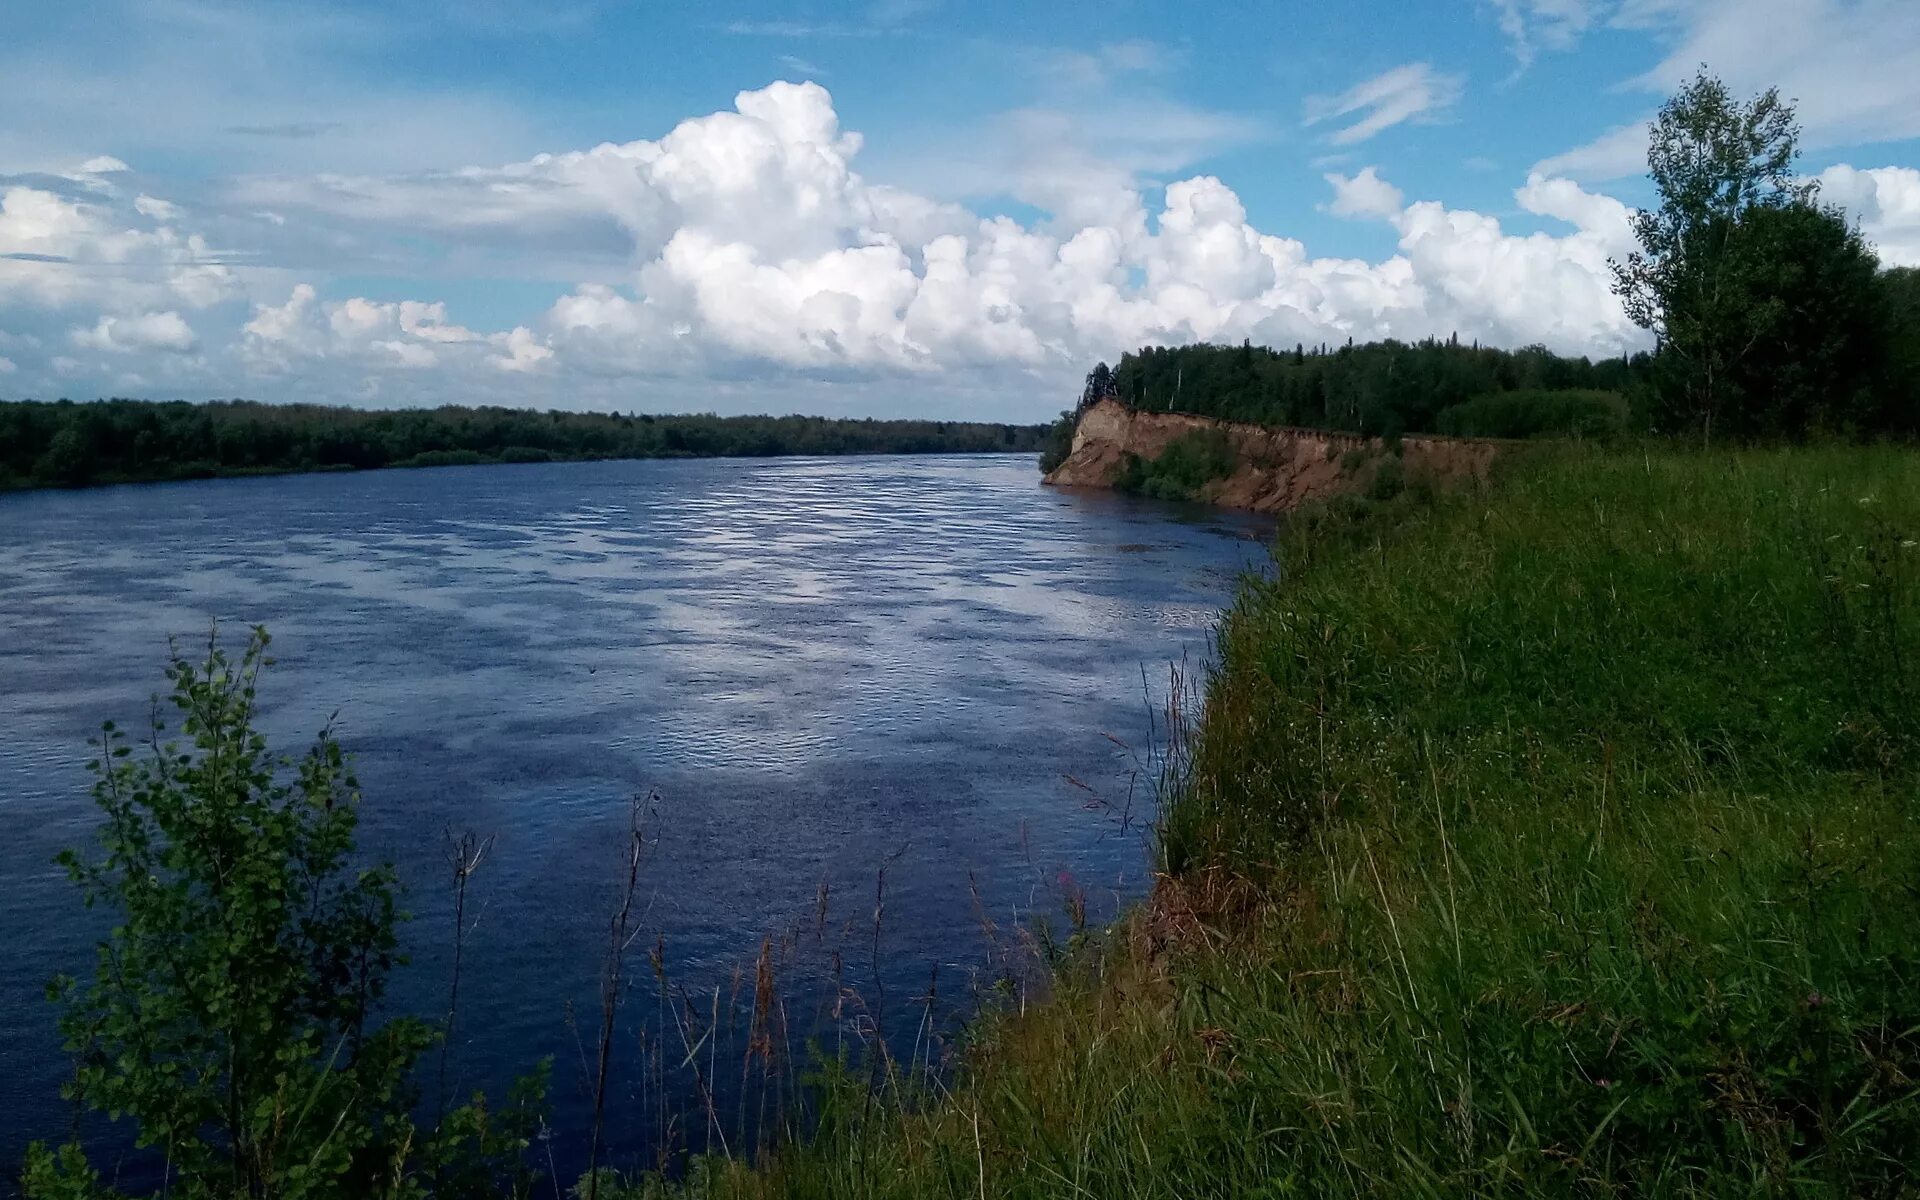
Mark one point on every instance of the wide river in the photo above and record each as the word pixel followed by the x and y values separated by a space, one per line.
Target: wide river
pixel 823 668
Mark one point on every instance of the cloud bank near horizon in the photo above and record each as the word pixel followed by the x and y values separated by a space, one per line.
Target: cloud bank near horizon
pixel 757 255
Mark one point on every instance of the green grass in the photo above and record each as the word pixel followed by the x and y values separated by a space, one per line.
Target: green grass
pixel 1552 840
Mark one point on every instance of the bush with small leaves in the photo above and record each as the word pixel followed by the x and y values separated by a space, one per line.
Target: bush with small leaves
pixel 233 1013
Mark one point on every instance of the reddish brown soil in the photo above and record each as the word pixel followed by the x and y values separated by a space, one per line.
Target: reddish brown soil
pixel 1280 468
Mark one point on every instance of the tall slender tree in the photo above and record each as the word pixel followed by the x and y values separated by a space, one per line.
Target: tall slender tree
pixel 1713 159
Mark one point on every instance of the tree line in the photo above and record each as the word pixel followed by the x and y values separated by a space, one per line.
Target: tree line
pixel 1772 318
pixel 1383 387
pixel 61 443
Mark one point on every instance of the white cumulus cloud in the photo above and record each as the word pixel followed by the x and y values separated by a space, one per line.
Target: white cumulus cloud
pixel 1364 195
pixel 61 250
pixel 1886 202
pixel 370 335
pixel 166 331
pixel 752 249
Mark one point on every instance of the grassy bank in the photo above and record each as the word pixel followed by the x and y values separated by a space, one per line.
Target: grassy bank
pixel 1556 840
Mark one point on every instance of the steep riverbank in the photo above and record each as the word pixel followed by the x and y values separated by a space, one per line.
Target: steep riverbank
pixel 1557 840
pixel 1274 469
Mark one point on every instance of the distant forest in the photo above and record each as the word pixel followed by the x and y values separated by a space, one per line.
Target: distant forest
pixel 65 444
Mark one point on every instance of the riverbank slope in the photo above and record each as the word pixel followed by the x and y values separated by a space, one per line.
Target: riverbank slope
pixel 1556 839
pixel 1267 468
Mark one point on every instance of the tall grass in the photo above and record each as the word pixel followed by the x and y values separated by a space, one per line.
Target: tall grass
pixel 1557 839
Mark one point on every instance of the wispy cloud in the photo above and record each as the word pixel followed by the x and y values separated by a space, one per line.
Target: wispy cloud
pixel 1414 92
pixel 1615 154
pixel 889 13
pixel 1853 66
pixel 797 29
pixel 1532 26
pixel 286 129
pixel 1114 60
pixel 801 66
pixel 881 18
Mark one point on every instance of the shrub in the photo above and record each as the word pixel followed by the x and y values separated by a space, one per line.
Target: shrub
pixel 1183 470
pixel 1059 442
pixel 232 1013
pixel 1537 413
pixel 1389 480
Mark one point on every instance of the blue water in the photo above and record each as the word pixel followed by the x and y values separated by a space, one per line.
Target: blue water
pixel 822 667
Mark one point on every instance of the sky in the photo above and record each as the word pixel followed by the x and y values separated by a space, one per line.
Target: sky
pixel 929 208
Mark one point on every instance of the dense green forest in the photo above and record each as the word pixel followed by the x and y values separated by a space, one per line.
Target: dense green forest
pixel 1837 351
pixel 1377 387
pixel 1437 386
pixel 121 441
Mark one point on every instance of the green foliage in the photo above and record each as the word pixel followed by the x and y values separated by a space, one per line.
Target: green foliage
pixel 118 441
pixel 1100 385
pixel 1765 302
pixel 232 1017
pixel 1380 388
pixel 1900 300
pixel 1059 442
pixel 1528 414
pixel 1183 470
pixel 1813 292
pixel 1388 480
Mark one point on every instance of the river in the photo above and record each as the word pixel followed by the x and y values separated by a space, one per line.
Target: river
pixel 822 668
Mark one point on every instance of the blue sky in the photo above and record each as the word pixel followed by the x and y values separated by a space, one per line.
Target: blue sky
pixel 890 206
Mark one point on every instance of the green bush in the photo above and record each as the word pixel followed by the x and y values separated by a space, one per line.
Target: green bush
pixel 1389 479
pixel 234 1013
pixel 1183 470
pixel 1059 441
pixel 1527 414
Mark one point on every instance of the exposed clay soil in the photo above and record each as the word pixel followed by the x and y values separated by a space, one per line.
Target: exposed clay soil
pixel 1279 468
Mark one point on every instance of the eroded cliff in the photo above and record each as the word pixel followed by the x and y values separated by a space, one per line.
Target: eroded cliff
pixel 1277 469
